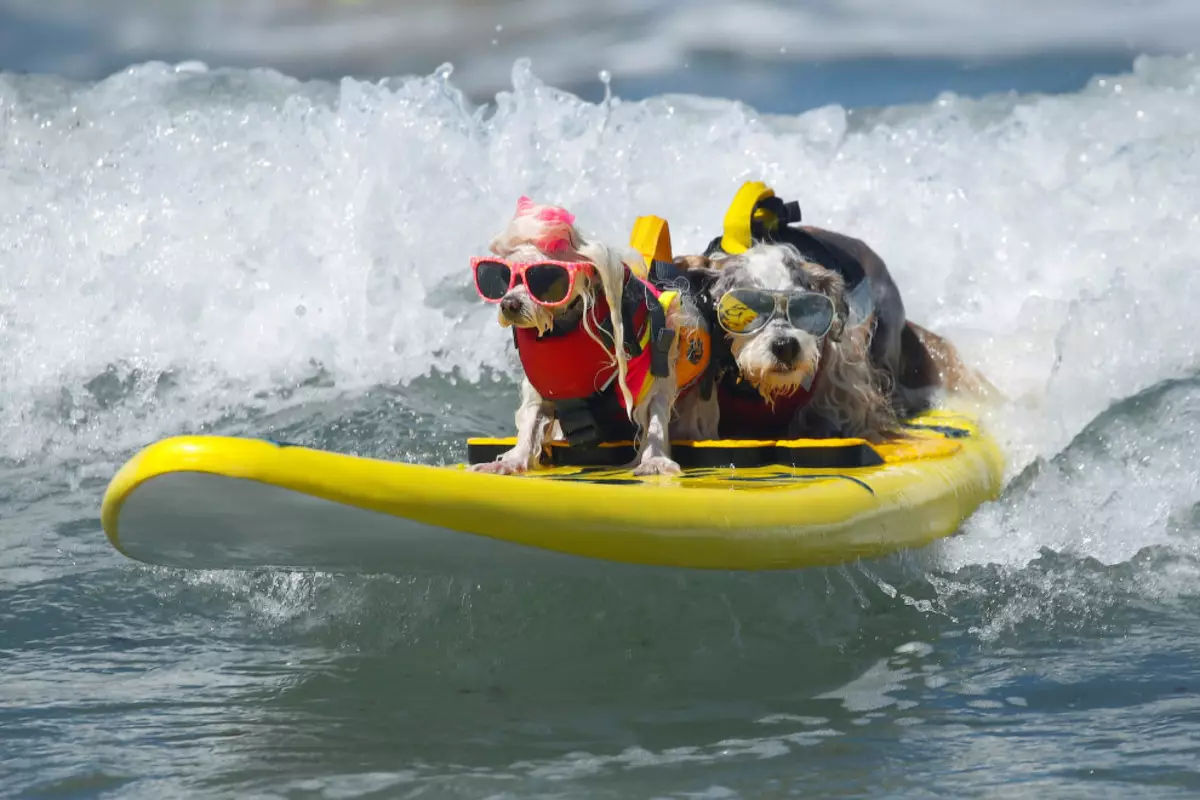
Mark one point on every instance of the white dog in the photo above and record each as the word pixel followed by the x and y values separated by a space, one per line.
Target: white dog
pixel 595 342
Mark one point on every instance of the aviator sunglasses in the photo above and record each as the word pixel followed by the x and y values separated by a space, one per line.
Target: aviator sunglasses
pixel 549 282
pixel 745 311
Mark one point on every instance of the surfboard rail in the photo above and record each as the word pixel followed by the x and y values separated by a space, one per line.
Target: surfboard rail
pixel 212 502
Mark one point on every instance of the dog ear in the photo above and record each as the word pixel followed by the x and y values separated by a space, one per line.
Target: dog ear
pixel 841 311
pixel 837 328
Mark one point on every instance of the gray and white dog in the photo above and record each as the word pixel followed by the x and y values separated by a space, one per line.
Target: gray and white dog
pixel 799 347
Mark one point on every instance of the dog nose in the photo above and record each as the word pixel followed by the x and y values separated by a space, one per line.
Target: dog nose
pixel 785 349
pixel 511 304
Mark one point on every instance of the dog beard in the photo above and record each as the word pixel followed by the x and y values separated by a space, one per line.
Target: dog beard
pixel 771 377
pixel 527 315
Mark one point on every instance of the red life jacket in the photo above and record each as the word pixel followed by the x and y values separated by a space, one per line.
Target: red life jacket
pixel 570 365
pixel 746 415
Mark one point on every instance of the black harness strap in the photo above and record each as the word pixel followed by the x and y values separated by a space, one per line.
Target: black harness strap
pixel 577 421
pixel 587 421
pixel 661 336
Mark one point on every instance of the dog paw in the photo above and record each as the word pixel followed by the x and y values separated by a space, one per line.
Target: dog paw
pixel 501 467
pixel 657 465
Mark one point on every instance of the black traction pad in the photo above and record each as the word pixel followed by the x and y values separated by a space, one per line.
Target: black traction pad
pixel 807 454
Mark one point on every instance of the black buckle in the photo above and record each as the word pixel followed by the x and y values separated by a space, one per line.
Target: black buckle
pixel 785 212
pixel 660 353
pixel 577 421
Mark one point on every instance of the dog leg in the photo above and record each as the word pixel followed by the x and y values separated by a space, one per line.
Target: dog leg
pixel 534 417
pixel 696 418
pixel 708 418
pixel 655 458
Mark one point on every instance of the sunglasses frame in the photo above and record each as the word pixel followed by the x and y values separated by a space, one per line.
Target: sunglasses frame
pixel 517 270
pixel 781 298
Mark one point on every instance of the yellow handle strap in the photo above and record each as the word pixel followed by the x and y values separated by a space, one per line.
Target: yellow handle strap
pixel 651 237
pixel 742 212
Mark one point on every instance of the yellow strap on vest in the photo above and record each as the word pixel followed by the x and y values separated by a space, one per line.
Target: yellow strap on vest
pixel 736 235
pixel 651 237
pixel 665 300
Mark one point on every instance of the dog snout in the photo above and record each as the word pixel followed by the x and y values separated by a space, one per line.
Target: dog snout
pixel 785 348
pixel 510 304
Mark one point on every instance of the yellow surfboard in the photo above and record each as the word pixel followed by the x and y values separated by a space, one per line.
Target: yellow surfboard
pixel 208 502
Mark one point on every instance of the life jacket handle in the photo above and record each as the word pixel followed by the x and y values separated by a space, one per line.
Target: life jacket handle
pixel 754 214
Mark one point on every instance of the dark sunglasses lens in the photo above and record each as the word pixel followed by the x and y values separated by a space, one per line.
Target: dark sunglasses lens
pixel 812 313
pixel 548 283
pixel 492 278
pixel 745 310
